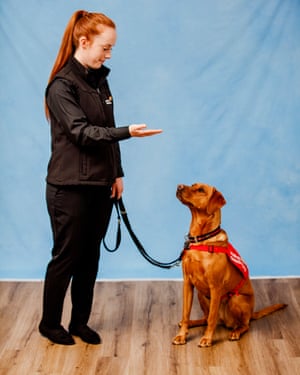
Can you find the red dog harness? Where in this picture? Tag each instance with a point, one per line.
(234, 258)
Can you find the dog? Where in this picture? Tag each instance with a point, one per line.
(214, 267)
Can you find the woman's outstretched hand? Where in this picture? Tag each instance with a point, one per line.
(140, 130)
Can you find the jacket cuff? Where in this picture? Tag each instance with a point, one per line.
(123, 132)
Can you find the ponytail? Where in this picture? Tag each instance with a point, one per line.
(81, 23)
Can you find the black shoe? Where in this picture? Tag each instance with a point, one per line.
(86, 334)
(57, 335)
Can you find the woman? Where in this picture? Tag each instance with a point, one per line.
(84, 172)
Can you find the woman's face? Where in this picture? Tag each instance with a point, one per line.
(93, 53)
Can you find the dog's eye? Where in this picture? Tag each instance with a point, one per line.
(201, 190)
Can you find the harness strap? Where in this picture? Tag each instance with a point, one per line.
(209, 248)
(234, 291)
(234, 258)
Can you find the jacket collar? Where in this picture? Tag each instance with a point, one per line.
(93, 76)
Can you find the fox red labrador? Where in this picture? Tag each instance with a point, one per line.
(214, 267)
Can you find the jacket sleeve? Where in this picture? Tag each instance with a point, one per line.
(64, 107)
(120, 171)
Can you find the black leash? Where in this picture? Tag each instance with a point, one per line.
(121, 212)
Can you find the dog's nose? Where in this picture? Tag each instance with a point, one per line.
(180, 187)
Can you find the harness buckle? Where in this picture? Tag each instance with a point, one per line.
(210, 248)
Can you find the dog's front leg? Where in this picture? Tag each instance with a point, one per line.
(188, 291)
(206, 339)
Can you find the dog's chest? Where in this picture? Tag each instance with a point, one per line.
(203, 269)
(195, 270)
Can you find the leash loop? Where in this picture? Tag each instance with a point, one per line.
(118, 236)
(122, 211)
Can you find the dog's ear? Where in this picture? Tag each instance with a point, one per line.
(216, 201)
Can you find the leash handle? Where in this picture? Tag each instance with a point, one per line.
(121, 209)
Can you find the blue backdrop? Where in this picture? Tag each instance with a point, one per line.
(221, 78)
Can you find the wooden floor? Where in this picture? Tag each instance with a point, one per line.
(137, 320)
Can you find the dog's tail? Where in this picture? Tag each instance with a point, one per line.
(268, 310)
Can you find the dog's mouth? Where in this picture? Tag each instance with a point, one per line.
(179, 195)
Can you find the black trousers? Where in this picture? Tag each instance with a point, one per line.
(79, 219)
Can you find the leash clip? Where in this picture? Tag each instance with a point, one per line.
(192, 239)
(186, 244)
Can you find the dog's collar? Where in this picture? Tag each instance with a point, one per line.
(202, 237)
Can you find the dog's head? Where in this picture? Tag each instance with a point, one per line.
(201, 197)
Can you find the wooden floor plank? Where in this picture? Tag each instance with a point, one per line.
(137, 321)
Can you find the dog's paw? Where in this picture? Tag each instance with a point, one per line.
(205, 342)
(234, 335)
(179, 340)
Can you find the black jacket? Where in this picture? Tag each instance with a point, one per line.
(84, 139)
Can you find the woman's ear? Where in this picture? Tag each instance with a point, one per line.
(83, 42)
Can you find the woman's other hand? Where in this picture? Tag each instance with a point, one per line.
(140, 130)
(117, 188)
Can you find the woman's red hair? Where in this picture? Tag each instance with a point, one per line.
(82, 23)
